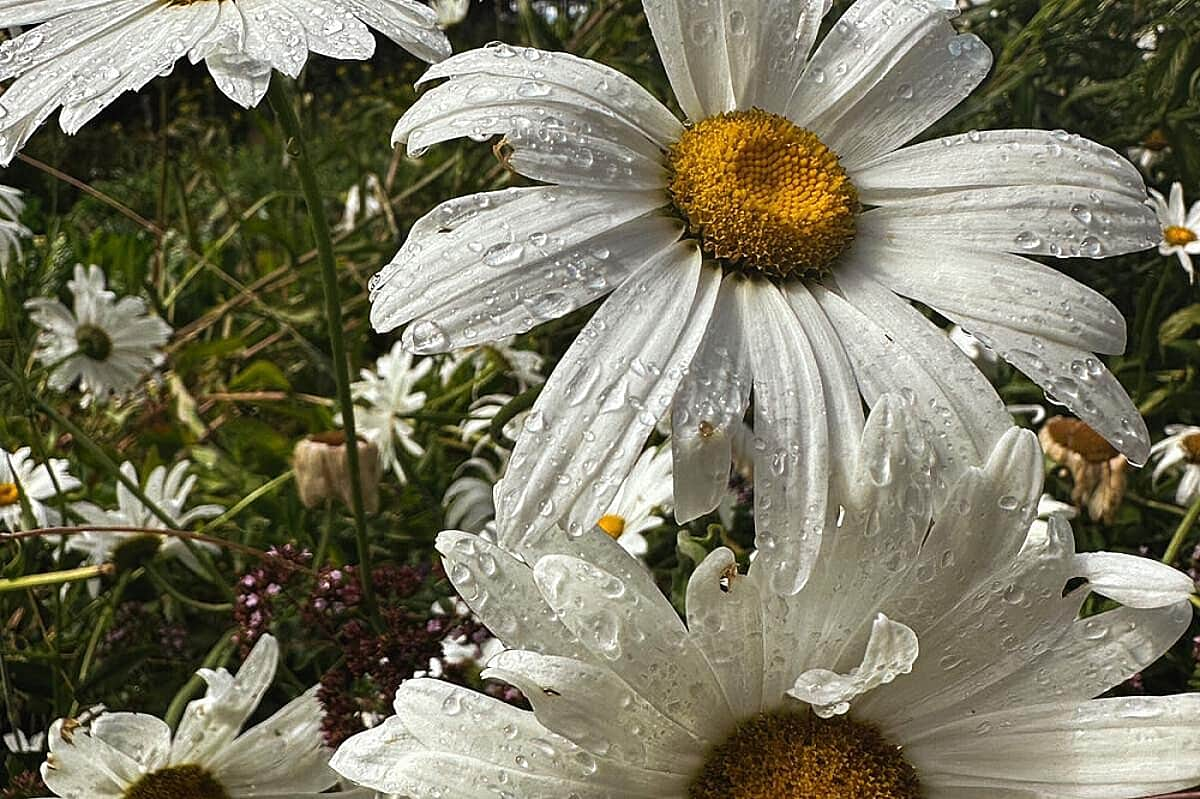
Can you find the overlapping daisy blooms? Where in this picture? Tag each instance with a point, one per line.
(136, 756)
(86, 53)
(934, 652)
(762, 246)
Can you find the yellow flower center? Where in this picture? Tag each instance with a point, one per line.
(763, 195)
(1075, 436)
(1178, 236)
(177, 782)
(10, 494)
(1190, 444)
(612, 524)
(800, 756)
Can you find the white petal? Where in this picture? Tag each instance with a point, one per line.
(791, 440)
(284, 754)
(1134, 581)
(768, 45)
(991, 286)
(690, 38)
(591, 706)
(725, 617)
(605, 396)
(486, 266)
(410, 24)
(708, 409)
(141, 736)
(652, 652)
(991, 158)
(1030, 220)
(891, 652)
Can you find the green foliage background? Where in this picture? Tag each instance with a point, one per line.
(191, 202)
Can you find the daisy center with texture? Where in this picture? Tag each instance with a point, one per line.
(800, 756)
(9, 494)
(1077, 437)
(93, 342)
(1178, 236)
(1190, 444)
(763, 195)
(177, 782)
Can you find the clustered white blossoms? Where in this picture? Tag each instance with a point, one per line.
(762, 247)
(385, 399)
(936, 651)
(87, 53)
(105, 344)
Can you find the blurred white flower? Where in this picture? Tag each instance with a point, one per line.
(384, 397)
(106, 344)
(169, 490)
(524, 366)
(451, 12)
(646, 491)
(11, 229)
(361, 205)
(19, 743)
(22, 482)
(89, 52)
(468, 501)
(1181, 446)
(1180, 227)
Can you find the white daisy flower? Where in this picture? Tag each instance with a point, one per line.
(23, 482)
(451, 12)
(136, 756)
(647, 489)
(169, 490)
(11, 229)
(19, 743)
(469, 501)
(106, 344)
(926, 656)
(1181, 446)
(87, 53)
(763, 245)
(385, 397)
(361, 205)
(1180, 227)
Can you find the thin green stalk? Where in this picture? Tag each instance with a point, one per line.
(289, 123)
(248, 500)
(55, 578)
(164, 585)
(1181, 533)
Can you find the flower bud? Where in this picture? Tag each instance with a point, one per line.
(322, 471)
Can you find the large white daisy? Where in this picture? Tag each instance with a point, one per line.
(86, 53)
(106, 344)
(136, 756)
(24, 483)
(932, 654)
(762, 246)
(169, 490)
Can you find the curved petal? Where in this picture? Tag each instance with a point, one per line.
(1134, 581)
(990, 158)
(607, 393)
(490, 265)
(791, 440)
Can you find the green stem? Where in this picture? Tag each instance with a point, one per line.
(164, 585)
(1181, 533)
(248, 500)
(55, 578)
(1146, 336)
(285, 114)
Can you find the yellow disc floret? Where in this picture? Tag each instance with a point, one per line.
(1190, 444)
(763, 195)
(612, 524)
(10, 494)
(800, 756)
(177, 782)
(1178, 236)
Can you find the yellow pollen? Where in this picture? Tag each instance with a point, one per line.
(763, 195)
(1077, 437)
(800, 756)
(612, 524)
(9, 494)
(177, 782)
(1178, 236)
(1190, 444)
